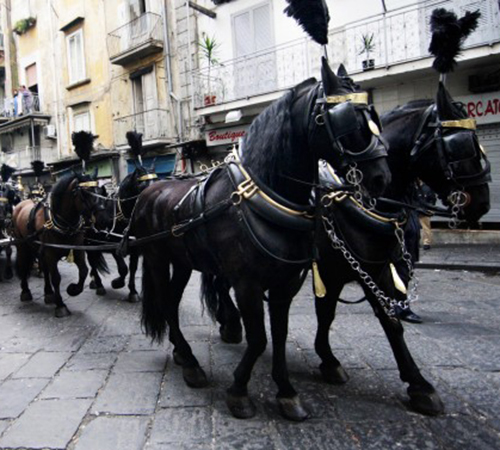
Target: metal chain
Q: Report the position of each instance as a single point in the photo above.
(458, 200)
(354, 176)
(386, 303)
(412, 296)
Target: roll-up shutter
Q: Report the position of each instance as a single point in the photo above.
(489, 137)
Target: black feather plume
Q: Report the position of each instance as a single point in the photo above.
(135, 141)
(83, 142)
(37, 167)
(312, 16)
(6, 172)
(448, 35)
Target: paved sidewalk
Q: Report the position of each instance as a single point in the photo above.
(94, 382)
(485, 258)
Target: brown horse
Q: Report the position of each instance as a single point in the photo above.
(57, 221)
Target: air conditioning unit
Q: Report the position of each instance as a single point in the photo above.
(49, 131)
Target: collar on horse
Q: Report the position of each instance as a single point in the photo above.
(53, 223)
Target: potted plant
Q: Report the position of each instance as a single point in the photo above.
(23, 25)
(368, 45)
(208, 46)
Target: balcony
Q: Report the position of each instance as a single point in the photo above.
(28, 115)
(22, 157)
(153, 125)
(137, 39)
(400, 36)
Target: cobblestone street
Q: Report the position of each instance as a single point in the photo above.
(93, 381)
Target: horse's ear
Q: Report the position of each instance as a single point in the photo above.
(94, 175)
(330, 81)
(444, 102)
(342, 71)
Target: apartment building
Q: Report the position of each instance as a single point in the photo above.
(258, 53)
(89, 65)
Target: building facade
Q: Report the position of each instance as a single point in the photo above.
(259, 53)
(89, 65)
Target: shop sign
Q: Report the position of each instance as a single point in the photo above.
(485, 108)
(225, 136)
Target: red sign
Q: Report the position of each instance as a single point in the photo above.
(224, 136)
(485, 108)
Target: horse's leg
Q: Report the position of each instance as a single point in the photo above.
(423, 396)
(75, 289)
(193, 374)
(330, 367)
(227, 314)
(49, 296)
(133, 296)
(1, 268)
(249, 298)
(50, 261)
(119, 282)
(96, 281)
(8, 266)
(24, 263)
(288, 400)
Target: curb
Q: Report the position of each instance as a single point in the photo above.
(473, 267)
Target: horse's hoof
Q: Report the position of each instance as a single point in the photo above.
(74, 290)
(8, 274)
(100, 291)
(26, 296)
(194, 377)
(133, 297)
(230, 336)
(333, 375)
(49, 299)
(178, 359)
(93, 285)
(241, 407)
(292, 409)
(62, 311)
(118, 283)
(427, 403)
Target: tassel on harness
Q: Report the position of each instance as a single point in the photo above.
(319, 286)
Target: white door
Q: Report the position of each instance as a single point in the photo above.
(489, 137)
(150, 101)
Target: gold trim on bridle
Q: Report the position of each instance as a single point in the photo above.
(4, 200)
(360, 98)
(468, 124)
(88, 184)
(149, 176)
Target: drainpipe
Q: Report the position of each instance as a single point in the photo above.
(168, 66)
(54, 80)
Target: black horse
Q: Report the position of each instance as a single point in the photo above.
(58, 221)
(112, 222)
(426, 141)
(438, 148)
(212, 226)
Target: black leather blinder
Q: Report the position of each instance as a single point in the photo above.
(342, 120)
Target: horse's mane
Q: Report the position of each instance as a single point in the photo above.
(410, 108)
(61, 187)
(267, 147)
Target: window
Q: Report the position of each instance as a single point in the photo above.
(76, 57)
(253, 30)
(81, 120)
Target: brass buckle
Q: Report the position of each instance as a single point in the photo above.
(174, 230)
(246, 189)
(337, 196)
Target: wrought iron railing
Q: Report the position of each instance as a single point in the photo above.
(399, 36)
(153, 124)
(21, 105)
(148, 27)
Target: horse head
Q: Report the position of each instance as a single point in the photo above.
(346, 132)
(87, 194)
(448, 157)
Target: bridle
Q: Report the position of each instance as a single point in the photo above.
(338, 114)
(448, 136)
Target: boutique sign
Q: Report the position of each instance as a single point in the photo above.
(485, 108)
(224, 136)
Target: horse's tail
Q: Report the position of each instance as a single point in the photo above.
(154, 310)
(209, 293)
(98, 262)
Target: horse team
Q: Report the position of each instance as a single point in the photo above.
(300, 192)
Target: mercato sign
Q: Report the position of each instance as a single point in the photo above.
(485, 108)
